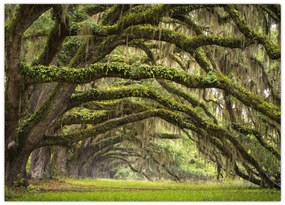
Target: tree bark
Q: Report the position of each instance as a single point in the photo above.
(15, 170)
(40, 163)
(60, 161)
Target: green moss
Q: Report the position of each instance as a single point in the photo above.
(98, 70)
(210, 78)
(272, 50)
(202, 59)
(260, 103)
(151, 15)
(256, 102)
(84, 117)
(78, 16)
(187, 8)
(241, 23)
(69, 48)
(72, 75)
(27, 123)
(10, 26)
(92, 9)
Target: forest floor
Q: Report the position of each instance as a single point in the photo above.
(125, 190)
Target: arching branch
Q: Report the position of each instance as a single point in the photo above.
(99, 70)
(272, 49)
(258, 136)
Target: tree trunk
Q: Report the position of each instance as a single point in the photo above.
(15, 170)
(40, 163)
(60, 161)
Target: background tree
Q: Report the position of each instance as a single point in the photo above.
(76, 74)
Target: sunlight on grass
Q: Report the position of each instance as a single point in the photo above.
(164, 184)
(215, 195)
(122, 190)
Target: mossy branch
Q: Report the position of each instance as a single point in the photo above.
(254, 101)
(186, 43)
(44, 74)
(41, 74)
(101, 128)
(272, 49)
(103, 112)
(191, 99)
(84, 118)
(153, 15)
(258, 136)
(55, 38)
(26, 124)
(167, 115)
(134, 91)
(92, 9)
(127, 105)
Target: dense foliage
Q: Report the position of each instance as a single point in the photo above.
(177, 92)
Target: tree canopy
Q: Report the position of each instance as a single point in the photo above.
(113, 83)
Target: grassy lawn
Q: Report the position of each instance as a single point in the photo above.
(122, 190)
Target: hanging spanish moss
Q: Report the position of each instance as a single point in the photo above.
(152, 92)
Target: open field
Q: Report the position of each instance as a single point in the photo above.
(122, 190)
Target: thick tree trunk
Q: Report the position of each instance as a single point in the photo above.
(95, 172)
(60, 161)
(15, 170)
(40, 163)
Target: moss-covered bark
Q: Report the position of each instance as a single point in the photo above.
(42, 74)
(191, 99)
(254, 101)
(144, 27)
(103, 127)
(272, 49)
(197, 123)
(15, 156)
(134, 91)
(55, 38)
(184, 42)
(36, 74)
(250, 131)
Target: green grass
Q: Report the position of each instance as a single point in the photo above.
(122, 190)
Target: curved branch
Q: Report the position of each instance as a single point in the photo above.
(151, 15)
(272, 49)
(246, 177)
(131, 166)
(100, 128)
(132, 91)
(273, 11)
(186, 43)
(93, 9)
(94, 117)
(99, 70)
(194, 101)
(258, 136)
(55, 38)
